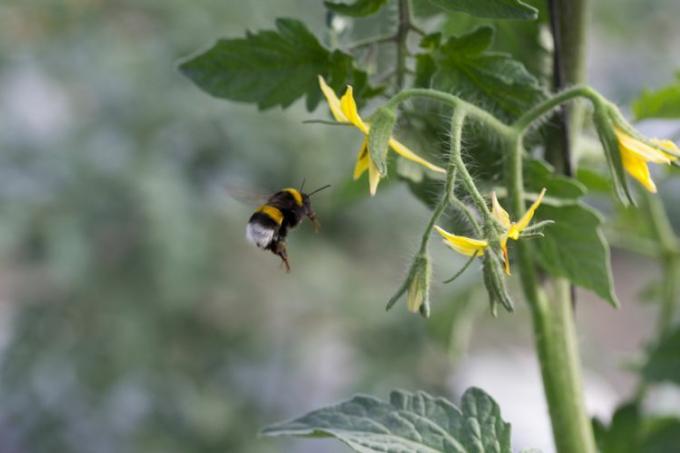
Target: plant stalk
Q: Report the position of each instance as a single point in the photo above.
(554, 336)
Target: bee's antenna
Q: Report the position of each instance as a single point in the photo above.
(302, 184)
(318, 190)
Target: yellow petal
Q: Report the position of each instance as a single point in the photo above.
(362, 160)
(403, 151)
(461, 244)
(519, 226)
(349, 109)
(636, 166)
(506, 258)
(499, 213)
(643, 150)
(333, 101)
(669, 145)
(373, 177)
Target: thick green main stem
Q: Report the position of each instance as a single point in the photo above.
(554, 336)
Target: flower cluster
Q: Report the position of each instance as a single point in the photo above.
(511, 230)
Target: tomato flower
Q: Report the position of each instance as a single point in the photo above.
(344, 110)
(635, 154)
(512, 230)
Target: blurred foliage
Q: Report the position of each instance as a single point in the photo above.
(143, 320)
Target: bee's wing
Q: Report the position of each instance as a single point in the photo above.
(245, 196)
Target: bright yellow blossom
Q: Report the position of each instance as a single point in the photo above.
(512, 230)
(635, 154)
(344, 110)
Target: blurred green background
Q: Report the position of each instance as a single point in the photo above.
(134, 317)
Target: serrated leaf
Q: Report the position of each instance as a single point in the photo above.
(360, 8)
(663, 361)
(414, 422)
(574, 246)
(272, 68)
(494, 80)
(490, 9)
(661, 103)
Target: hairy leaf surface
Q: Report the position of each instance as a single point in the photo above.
(465, 66)
(273, 68)
(414, 422)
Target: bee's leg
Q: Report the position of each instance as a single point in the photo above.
(312, 218)
(279, 249)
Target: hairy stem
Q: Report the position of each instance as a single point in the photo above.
(549, 105)
(554, 335)
(457, 121)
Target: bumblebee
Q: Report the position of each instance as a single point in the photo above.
(284, 210)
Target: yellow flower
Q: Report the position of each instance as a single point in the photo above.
(344, 110)
(635, 154)
(468, 246)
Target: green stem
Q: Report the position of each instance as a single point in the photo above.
(554, 335)
(457, 121)
(471, 110)
(669, 258)
(403, 28)
(549, 105)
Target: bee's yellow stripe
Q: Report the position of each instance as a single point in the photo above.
(273, 213)
(296, 194)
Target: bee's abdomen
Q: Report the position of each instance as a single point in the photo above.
(263, 226)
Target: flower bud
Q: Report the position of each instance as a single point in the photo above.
(419, 286)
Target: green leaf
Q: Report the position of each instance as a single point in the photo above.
(414, 422)
(494, 80)
(663, 362)
(273, 68)
(593, 181)
(490, 9)
(539, 174)
(360, 8)
(574, 246)
(661, 103)
(631, 432)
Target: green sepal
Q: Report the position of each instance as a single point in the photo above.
(382, 124)
(495, 282)
(602, 117)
